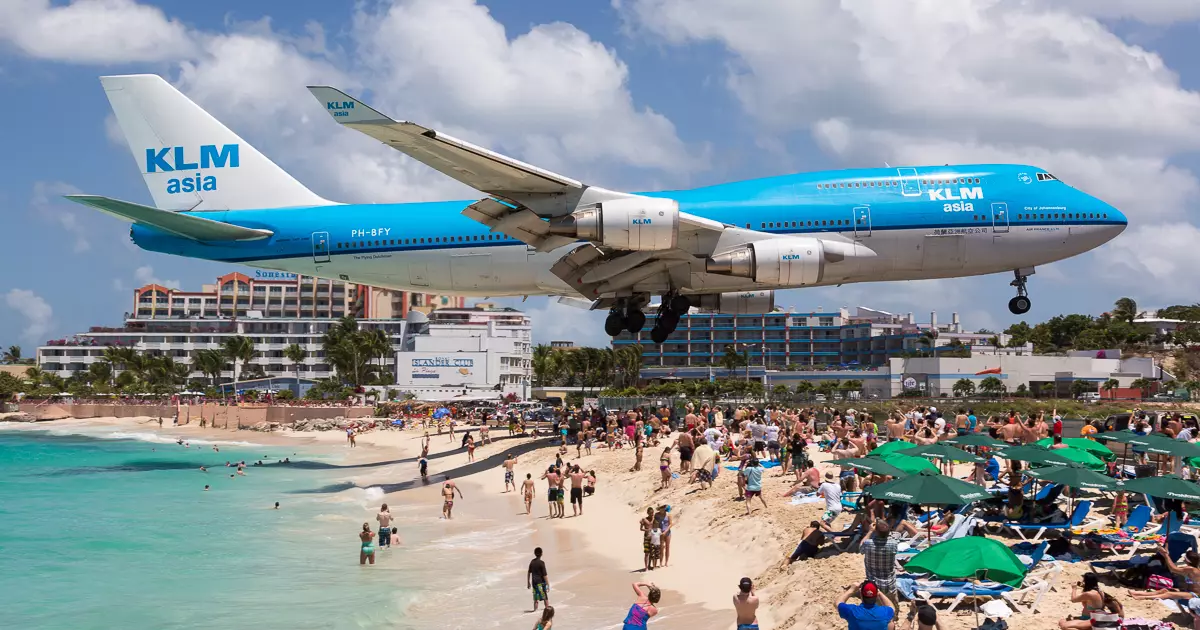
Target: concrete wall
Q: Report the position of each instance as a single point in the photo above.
(940, 374)
(219, 415)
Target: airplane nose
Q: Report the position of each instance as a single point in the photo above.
(1116, 221)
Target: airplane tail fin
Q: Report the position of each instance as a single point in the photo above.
(189, 159)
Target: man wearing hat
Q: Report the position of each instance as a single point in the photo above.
(831, 491)
(874, 613)
(745, 604)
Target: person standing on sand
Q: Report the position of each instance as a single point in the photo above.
(664, 467)
(637, 462)
(874, 613)
(508, 472)
(663, 518)
(537, 579)
(470, 448)
(385, 526)
(560, 495)
(754, 474)
(745, 603)
(646, 525)
(551, 478)
(645, 607)
(423, 464)
(577, 476)
(527, 487)
(448, 490)
(367, 550)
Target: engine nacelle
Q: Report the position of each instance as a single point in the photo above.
(632, 224)
(788, 262)
(738, 302)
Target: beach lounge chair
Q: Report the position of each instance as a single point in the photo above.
(1178, 543)
(1024, 599)
(1077, 517)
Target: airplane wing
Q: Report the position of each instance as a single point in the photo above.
(472, 165)
(186, 226)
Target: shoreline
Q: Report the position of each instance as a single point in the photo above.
(593, 557)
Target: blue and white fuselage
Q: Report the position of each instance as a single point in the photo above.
(923, 222)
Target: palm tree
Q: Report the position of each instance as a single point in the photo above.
(991, 386)
(295, 354)
(210, 363)
(35, 375)
(1142, 384)
(1125, 309)
(100, 372)
(239, 350)
(12, 356)
(805, 388)
(1110, 385)
(963, 387)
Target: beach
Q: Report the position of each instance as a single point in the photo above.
(470, 571)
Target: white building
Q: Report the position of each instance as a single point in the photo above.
(180, 338)
(480, 352)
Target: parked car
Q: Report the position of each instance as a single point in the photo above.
(1090, 396)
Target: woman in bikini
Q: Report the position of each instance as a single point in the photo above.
(644, 608)
(664, 466)
(547, 619)
(367, 550)
(1100, 610)
(1189, 570)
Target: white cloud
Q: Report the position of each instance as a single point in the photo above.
(1159, 261)
(47, 202)
(92, 31)
(1159, 12)
(36, 311)
(145, 275)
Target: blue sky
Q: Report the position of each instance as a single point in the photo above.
(633, 94)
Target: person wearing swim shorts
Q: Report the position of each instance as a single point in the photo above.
(385, 526)
(448, 490)
(509, 462)
(745, 604)
(367, 550)
(536, 579)
(577, 476)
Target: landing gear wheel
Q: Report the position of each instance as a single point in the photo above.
(680, 304)
(635, 320)
(658, 335)
(614, 323)
(1019, 305)
(668, 321)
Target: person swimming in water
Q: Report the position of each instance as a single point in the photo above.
(644, 608)
(367, 552)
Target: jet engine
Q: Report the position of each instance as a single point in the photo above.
(738, 302)
(632, 224)
(777, 261)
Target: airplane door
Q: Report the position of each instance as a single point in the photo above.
(862, 221)
(910, 184)
(320, 247)
(471, 271)
(999, 218)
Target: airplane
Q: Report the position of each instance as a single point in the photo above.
(725, 248)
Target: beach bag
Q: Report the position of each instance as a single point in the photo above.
(1134, 577)
(1159, 583)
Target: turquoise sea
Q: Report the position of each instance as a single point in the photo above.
(119, 533)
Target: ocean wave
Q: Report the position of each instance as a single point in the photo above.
(485, 539)
(100, 433)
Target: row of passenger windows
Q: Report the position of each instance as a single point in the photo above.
(784, 224)
(1020, 217)
(423, 241)
(891, 183)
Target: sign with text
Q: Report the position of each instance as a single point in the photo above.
(433, 369)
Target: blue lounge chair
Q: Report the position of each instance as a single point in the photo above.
(1077, 517)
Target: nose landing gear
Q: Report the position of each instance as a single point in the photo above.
(1020, 304)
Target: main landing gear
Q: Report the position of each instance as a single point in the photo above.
(1020, 304)
(673, 307)
(627, 316)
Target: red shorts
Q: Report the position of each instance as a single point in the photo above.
(753, 493)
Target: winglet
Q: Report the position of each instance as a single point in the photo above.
(184, 225)
(345, 108)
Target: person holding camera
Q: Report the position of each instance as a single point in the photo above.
(876, 612)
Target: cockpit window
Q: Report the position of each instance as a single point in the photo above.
(1046, 177)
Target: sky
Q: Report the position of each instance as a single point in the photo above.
(625, 94)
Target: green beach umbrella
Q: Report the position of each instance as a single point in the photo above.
(1163, 487)
(909, 464)
(1083, 444)
(976, 439)
(1040, 455)
(967, 557)
(1123, 437)
(890, 447)
(1164, 445)
(929, 487)
(1074, 476)
(941, 451)
(871, 464)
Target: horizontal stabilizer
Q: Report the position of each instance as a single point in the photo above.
(184, 225)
